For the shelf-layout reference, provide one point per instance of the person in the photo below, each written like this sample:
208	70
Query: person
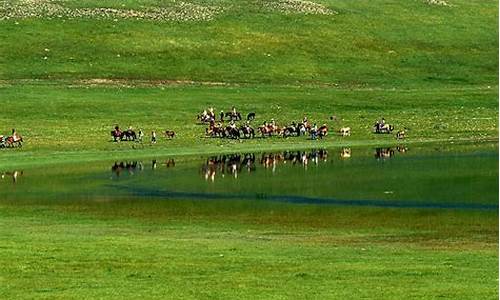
314	131
140	136
153	137
222	116
232	125
273	124
304	121
14	135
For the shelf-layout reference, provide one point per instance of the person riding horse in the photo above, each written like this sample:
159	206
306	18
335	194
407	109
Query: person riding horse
382	127
233	115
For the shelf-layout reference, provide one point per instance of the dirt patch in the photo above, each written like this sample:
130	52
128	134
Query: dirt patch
298	7
179	11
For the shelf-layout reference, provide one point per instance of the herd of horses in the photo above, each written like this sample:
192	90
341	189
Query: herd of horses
226	127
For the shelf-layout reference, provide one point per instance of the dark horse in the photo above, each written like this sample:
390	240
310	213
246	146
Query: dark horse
231	132
247	131
128	135
233	116
382	128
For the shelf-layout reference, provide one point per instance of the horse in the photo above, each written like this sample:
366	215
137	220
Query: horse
232	132
290	131
266	130
322	131
11	142
129	135
215	131
117	135
382	128
169	134
247	131
345	131
233	116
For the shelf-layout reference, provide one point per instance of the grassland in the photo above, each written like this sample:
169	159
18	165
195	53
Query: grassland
183	249
65	80
71	70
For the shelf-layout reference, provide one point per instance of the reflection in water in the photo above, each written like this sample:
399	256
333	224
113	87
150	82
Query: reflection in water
234	164
128	167
169	163
14	175
231	164
383	153
345	153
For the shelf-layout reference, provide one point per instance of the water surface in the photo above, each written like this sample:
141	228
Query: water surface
429	177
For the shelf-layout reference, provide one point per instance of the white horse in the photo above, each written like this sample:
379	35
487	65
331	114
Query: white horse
345	131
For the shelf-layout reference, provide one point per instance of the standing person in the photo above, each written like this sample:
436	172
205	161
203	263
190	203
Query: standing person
222	116
153	137
314	131
14	135
140	136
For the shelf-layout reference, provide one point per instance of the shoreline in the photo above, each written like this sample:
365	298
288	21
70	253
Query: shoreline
40	159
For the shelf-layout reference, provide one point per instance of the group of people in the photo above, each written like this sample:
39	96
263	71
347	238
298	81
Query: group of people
209	116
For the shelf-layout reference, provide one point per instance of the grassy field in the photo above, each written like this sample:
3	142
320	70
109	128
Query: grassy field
193	250
71	70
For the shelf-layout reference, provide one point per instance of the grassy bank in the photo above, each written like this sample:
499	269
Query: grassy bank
65	122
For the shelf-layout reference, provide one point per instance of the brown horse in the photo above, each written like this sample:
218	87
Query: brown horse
169	134
322	131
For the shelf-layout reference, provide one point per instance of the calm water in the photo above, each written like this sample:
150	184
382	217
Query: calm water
444	177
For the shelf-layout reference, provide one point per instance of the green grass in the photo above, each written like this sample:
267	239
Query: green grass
429	68
67	123
432	69
184	249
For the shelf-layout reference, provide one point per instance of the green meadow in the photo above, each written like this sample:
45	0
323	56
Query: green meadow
72	70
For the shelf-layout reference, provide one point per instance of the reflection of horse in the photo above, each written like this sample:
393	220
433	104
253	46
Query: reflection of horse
13	174
400	134
384	153
231	164
345	153
129	167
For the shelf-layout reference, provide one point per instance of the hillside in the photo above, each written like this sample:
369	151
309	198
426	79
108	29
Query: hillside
342	43
72	70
